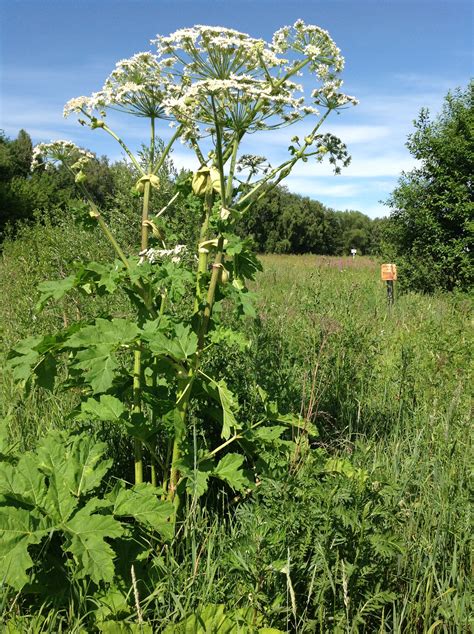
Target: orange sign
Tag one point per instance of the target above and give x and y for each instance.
(389, 272)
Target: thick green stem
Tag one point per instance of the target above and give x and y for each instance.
(211, 292)
(182, 403)
(203, 253)
(138, 452)
(137, 370)
(145, 208)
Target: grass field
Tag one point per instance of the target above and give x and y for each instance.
(384, 545)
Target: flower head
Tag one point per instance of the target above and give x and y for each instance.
(137, 85)
(50, 154)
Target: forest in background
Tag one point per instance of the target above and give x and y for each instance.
(282, 222)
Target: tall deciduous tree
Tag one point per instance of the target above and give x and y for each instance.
(431, 227)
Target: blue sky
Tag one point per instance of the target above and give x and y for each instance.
(401, 55)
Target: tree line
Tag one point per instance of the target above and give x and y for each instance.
(283, 222)
(429, 233)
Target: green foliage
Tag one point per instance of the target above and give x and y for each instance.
(54, 519)
(215, 618)
(332, 549)
(283, 222)
(430, 230)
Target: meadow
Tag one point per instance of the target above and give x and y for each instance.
(365, 527)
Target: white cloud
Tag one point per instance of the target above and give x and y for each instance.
(316, 188)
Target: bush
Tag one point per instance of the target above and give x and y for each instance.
(431, 228)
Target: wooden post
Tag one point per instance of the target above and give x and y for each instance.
(389, 274)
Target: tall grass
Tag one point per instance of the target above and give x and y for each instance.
(390, 391)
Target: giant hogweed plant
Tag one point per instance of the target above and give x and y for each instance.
(214, 86)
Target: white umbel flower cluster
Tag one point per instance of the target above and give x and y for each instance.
(137, 85)
(49, 154)
(205, 75)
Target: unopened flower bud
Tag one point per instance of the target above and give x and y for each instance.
(154, 181)
(215, 180)
(224, 276)
(201, 181)
(80, 177)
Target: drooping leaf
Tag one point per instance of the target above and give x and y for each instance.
(245, 303)
(229, 406)
(245, 262)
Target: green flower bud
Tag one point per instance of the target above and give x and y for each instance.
(224, 276)
(323, 149)
(80, 177)
(215, 180)
(154, 181)
(201, 182)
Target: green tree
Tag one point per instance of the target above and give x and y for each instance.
(431, 228)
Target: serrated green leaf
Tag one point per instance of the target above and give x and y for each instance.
(180, 347)
(197, 482)
(292, 420)
(228, 469)
(94, 556)
(54, 290)
(99, 364)
(246, 306)
(74, 466)
(114, 333)
(122, 627)
(141, 503)
(23, 481)
(24, 365)
(105, 276)
(19, 529)
(269, 434)
(152, 326)
(107, 408)
(230, 337)
(6, 446)
(186, 339)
